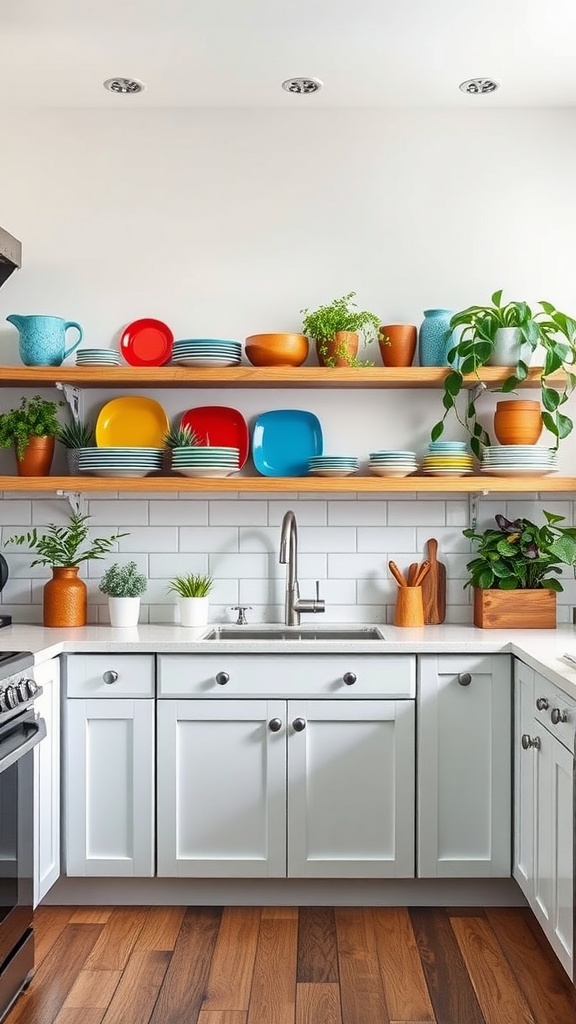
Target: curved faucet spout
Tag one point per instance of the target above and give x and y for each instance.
(294, 605)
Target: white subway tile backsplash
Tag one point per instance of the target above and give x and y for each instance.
(433, 513)
(258, 538)
(224, 564)
(308, 513)
(322, 538)
(354, 567)
(175, 513)
(238, 513)
(167, 565)
(388, 540)
(150, 538)
(122, 512)
(16, 512)
(457, 513)
(353, 513)
(449, 539)
(208, 538)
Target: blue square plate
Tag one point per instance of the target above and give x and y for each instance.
(283, 440)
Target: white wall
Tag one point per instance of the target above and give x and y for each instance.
(227, 223)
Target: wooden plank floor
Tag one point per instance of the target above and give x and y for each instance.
(283, 965)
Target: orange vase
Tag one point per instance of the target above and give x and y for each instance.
(398, 344)
(517, 422)
(37, 457)
(338, 350)
(65, 598)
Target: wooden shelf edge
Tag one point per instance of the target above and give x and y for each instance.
(247, 484)
(253, 377)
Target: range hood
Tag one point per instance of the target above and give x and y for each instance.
(10, 255)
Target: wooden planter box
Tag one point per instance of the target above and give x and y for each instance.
(515, 609)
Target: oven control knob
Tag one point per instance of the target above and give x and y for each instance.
(11, 696)
(22, 691)
(3, 702)
(31, 687)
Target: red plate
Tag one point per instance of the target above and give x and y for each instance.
(219, 426)
(147, 342)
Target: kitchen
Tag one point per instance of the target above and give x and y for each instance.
(227, 215)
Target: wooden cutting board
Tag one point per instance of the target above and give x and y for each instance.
(434, 586)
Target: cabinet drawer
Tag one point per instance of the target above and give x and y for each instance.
(128, 675)
(249, 675)
(557, 702)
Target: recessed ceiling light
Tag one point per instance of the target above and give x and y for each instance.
(478, 86)
(302, 86)
(124, 86)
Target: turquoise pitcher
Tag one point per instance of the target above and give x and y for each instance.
(43, 339)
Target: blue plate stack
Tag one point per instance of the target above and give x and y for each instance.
(519, 460)
(392, 462)
(206, 352)
(97, 357)
(448, 458)
(332, 465)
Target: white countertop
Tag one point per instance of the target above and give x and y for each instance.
(543, 650)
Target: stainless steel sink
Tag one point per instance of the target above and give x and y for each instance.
(293, 633)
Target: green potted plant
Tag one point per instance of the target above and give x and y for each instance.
(124, 586)
(65, 601)
(336, 329)
(481, 342)
(74, 436)
(193, 590)
(525, 558)
(31, 429)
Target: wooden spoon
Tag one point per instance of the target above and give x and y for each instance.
(397, 574)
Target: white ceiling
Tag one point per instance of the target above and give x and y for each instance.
(223, 53)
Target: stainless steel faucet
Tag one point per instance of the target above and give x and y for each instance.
(294, 604)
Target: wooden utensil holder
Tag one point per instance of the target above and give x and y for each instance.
(409, 609)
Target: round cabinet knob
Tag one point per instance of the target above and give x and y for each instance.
(528, 741)
(222, 678)
(110, 677)
(299, 724)
(349, 678)
(542, 703)
(275, 724)
(464, 678)
(558, 716)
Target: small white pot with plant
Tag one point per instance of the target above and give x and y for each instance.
(123, 585)
(193, 591)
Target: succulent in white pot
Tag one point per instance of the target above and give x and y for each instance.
(193, 590)
(124, 585)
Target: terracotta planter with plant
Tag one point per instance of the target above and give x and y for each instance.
(514, 572)
(331, 326)
(31, 429)
(479, 338)
(124, 586)
(193, 590)
(65, 601)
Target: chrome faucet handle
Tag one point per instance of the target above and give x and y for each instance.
(241, 609)
(318, 598)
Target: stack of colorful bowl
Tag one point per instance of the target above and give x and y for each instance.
(97, 357)
(130, 462)
(448, 458)
(209, 462)
(332, 465)
(394, 462)
(206, 352)
(519, 460)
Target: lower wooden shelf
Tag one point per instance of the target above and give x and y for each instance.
(324, 485)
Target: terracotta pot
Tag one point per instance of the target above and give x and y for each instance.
(515, 609)
(37, 457)
(398, 344)
(65, 598)
(339, 350)
(517, 422)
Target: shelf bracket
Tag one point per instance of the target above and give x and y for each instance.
(72, 398)
(477, 390)
(474, 507)
(76, 500)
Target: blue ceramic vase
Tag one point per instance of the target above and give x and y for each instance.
(435, 337)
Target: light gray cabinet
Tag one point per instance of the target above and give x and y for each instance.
(545, 722)
(464, 766)
(109, 765)
(47, 781)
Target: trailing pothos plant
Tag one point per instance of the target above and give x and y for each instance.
(554, 331)
(520, 555)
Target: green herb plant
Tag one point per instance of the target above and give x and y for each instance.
(123, 581)
(34, 417)
(191, 585)
(181, 437)
(62, 545)
(520, 555)
(340, 315)
(79, 434)
(548, 327)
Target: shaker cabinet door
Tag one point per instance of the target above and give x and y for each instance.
(47, 823)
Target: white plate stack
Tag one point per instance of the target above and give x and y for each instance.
(206, 352)
(97, 357)
(392, 462)
(332, 465)
(128, 462)
(519, 460)
(207, 462)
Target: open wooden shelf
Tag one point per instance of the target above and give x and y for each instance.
(241, 484)
(251, 377)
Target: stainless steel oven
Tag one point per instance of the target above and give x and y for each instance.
(20, 731)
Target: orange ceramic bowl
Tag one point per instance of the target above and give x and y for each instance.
(276, 349)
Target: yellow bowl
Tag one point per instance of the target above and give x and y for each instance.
(276, 349)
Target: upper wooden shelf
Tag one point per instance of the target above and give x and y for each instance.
(262, 484)
(251, 377)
